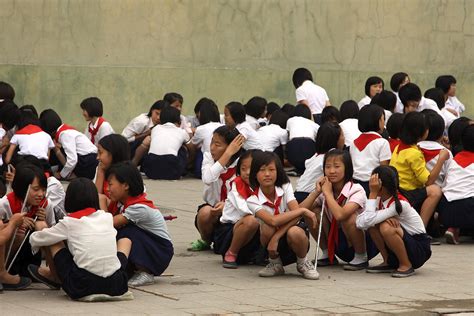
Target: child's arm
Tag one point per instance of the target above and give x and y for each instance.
(9, 229)
(340, 213)
(100, 178)
(48, 236)
(10, 152)
(309, 201)
(280, 219)
(120, 221)
(71, 155)
(231, 149)
(281, 231)
(434, 174)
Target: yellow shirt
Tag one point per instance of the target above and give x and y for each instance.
(411, 166)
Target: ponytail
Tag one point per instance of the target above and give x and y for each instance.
(388, 175)
(398, 205)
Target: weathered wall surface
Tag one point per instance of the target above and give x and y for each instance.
(130, 52)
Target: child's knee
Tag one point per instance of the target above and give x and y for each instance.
(250, 222)
(386, 229)
(295, 234)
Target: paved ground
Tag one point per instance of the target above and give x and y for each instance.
(197, 284)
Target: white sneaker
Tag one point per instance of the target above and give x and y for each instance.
(141, 278)
(307, 270)
(272, 269)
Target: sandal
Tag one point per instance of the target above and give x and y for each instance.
(34, 272)
(199, 245)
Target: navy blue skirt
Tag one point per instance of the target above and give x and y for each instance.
(298, 150)
(346, 252)
(458, 213)
(165, 167)
(418, 249)
(86, 166)
(223, 238)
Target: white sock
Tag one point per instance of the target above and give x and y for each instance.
(276, 260)
(300, 260)
(359, 258)
(324, 254)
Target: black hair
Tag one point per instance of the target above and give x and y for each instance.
(3, 186)
(93, 106)
(264, 158)
(388, 175)
(434, 123)
(369, 116)
(30, 108)
(444, 82)
(386, 99)
(256, 107)
(31, 160)
(413, 128)
(396, 80)
(117, 146)
(455, 132)
(237, 111)
(170, 114)
(327, 137)
(229, 134)
(6, 91)
(330, 114)
(27, 118)
(437, 95)
(349, 109)
(272, 107)
(9, 114)
(127, 172)
(279, 118)
(172, 97)
(81, 193)
(467, 138)
(409, 92)
(208, 111)
(370, 82)
(158, 105)
(300, 75)
(50, 121)
(24, 176)
(289, 109)
(302, 110)
(245, 155)
(394, 125)
(346, 159)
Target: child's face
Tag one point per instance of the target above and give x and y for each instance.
(334, 169)
(218, 146)
(267, 175)
(104, 157)
(118, 191)
(155, 116)
(245, 169)
(36, 193)
(452, 90)
(177, 105)
(374, 89)
(86, 115)
(341, 141)
(229, 121)
(412, 106)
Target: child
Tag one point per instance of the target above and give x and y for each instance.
(350, 121)
(455, 133)
(309, 93)
(255, 109)
(141, 222)
(81, 153)
(6, 92)
(373, 85)
(176, 100)
(86, 259)
(456, 208)
(397, 81)
(288, 109)
(274, 135)
(447, 83)
(271, 107)
(92, 110)
(218, 170)
(234, 116)
(167, 157)
(394, 225)
(9, 116)
(302, 134)
(329, 136)
(237, 238)
(410, 96)
(369, 150)
(387, 100)
(437, 95)
(416, 182)
(274, 204)
(330, 114)
(394, 125)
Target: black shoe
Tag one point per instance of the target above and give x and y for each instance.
(33, 270)
(325, 262)
(23, 284)
(403, 274)
(356, 267)
(379, 269)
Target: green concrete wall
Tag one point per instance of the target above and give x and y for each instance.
(130, 52)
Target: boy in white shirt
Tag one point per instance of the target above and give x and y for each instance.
(275, 136)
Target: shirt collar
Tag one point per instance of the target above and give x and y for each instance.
(262, 198)
(346, 189)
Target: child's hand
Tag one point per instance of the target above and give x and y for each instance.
(319, 184)
(326, 187)
(310, 218)
(17, 219)
(236, 144)
(28, 224)
(375, 185)
(272, 248)
(10, 174)
(393, 221)
(444, 154)
(217, 209)
(41, 213)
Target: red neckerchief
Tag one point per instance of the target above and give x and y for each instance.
(113, 207)
(275, 206)
(140, 199)
(61, 129)
(402, 146)
(430, 153)
(224, 177)
(392, 200)
(365, 139)
(464, 158)
(47, 175)
(393, 143)
(105, 189)
(29, 129)
(93, 131)
(85, 212)
(243, 188)
(333, 236)
(16, 204)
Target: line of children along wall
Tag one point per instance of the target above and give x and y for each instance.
(372, 180)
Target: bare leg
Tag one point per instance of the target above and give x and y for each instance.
(394, 239)
(297, 241)
(124, 245)
(5, 277)
(428, 207)
(142, 150)
(266, 234)
(354, 235)
(206, 222)
(377, 238)
(244, 230)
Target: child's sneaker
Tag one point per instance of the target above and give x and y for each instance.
(307, 270)
(141, 278)
(272, 269)
(199, 245)
(452, 236)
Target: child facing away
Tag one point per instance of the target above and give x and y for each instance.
(387, 100)
(255, 110)
(274, 136)
(140, 221)
(395, 227)
(84, 256)
(234, 116)
(373, 85)
(9, 117)
(349, 121)
(281, 228)
(394, 126)
(397, 81)
(98, 127)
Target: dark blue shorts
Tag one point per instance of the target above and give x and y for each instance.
(223, 235)
(287, 255)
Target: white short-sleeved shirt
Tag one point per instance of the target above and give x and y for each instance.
(314, 170)
(252, 138)
(211, 171)
(2, 134)
(56, 197)
(272, 136)
(235, 206)
(31, 140)
(429, 104)
(367, 151)
(259, 201)
(455, 104)
(203, 135)
(298, 126)
(431, 151)
(167, 139)
(104, 130)
(350, 128)
(364, 101)
(253, 122)
(315, 96)
(459, 182)
(137, 126)
(448, 117)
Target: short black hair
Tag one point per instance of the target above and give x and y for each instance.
(9, 114)
(330, 114)
(386, 99)
(455, 132)
(6, 91)
(28, 118)
(409, 92)
(117, 146)
(81, 193)
(437, 95)
(93, 106)
(279, 118)
(467, 138)
(370, 82)
(172, 97)
(272, 107)
(413, 128)
(394, 125)
(264, 158)
(256, 107)
(29, 107)
(245, 155)
(444, 82)
(289, 109)
(32, 160)
(50, 121)
(127, 172)
(229, 134)
(300, 75)
(349, 109)
(170, 114)
(208, 111)
(435, 124)
(24, 176)
(237, 111)
(158, 105)
(302, 110)
(369, 116)
(346, 159)
(327, 137)
(396, 80)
